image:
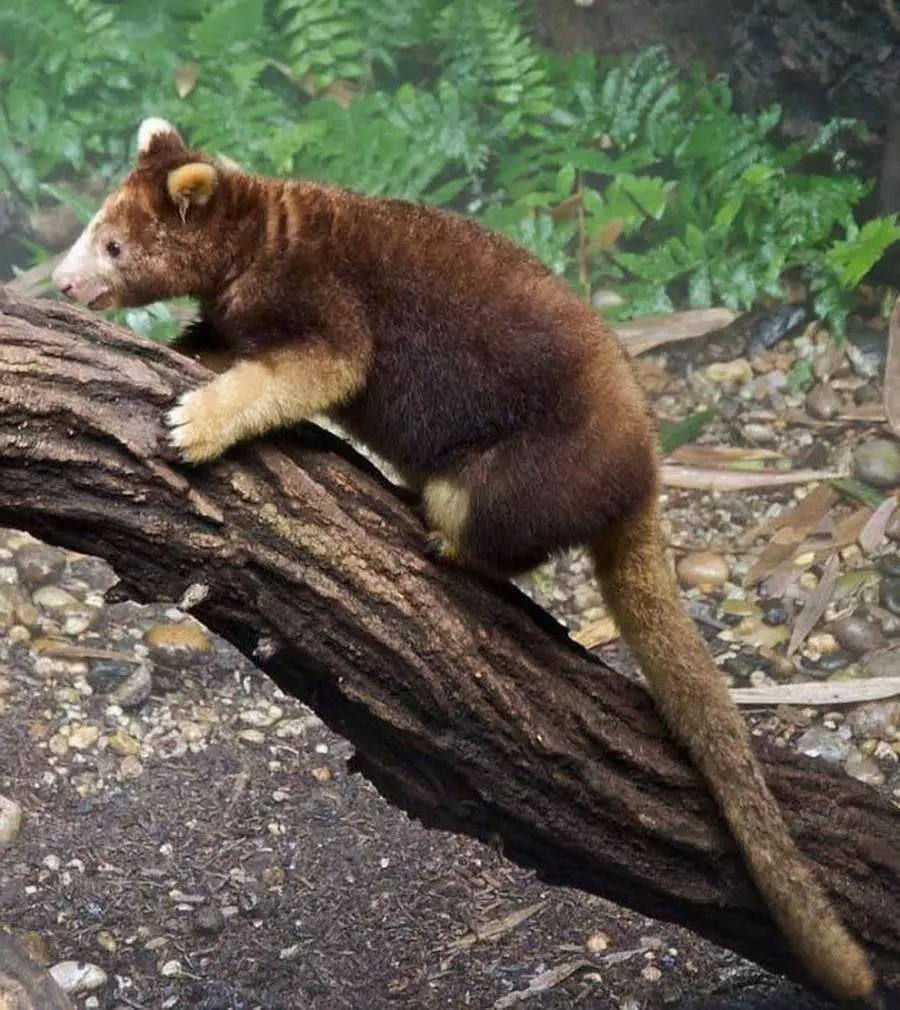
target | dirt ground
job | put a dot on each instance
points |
(249, 870)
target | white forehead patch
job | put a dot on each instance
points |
(153, 127)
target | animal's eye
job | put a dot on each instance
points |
(113, 248)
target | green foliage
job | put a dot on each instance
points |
(618, 174)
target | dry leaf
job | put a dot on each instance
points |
(640, 335)
(873, 532)
(541, 983)
(186, 79)
(709, 479)
(568, 209)
(803, 517)
(496, 927)
(715, 455)
(892, 372)
(815, 605)
(819, 693)
(608, 235)
(599, 632)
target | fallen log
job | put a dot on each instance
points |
(468, 707)
(24, 984)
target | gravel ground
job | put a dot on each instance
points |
(189, 837)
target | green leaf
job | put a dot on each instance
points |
(674, 434)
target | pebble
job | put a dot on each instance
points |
(830, 662)
(883, 664)
(10, 820)
(105, 675)
(823, 403)
(83, 737)
(38, 564)
(858, 634)
(135, 689)
(262, 718)
(53, 598)
(596, 943)
(879, 720)
(702, 568)
(176, 638)
(124, 744)
(209, 920)
(131, 767)
(759, 434)
(866, 349)
(877, 462)
(890, 595)
(821, 742)
(864, 768)
(76, 977)
(724, 372)
(251, 736)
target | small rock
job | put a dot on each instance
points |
(83, 737)
(209, 920)
(53, 598)
(251, 736)
(878, 720)
(124, 744)
(865, 394)
(877, 462)
(859, 635)
(131, 767)
(39, 564)
(703, 568)
(864, 768)
(176, 638)
(890, 595)
(738, 370)
(105, 675)
(829, 662)
(821, 742)
(170, 969)
(261, 718)
(135, 689)
(775, 612)
(596, 943)
(10, 820)
(883, 664)
(759, 434)
(78, 976)
(58, 744)
(866, 349)
(823, 402)
(294, 728)
(651, 973)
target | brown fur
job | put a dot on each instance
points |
(461, 359)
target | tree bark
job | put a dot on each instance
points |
(468, 706)
(24, 984)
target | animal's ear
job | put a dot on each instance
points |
(191, 185)
(158, 136)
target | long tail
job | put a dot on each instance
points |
(694, 702)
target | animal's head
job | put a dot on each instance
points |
(155, 236)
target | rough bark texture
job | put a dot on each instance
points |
(469, 707)
(24, 984)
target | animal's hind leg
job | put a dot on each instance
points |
(446, 502)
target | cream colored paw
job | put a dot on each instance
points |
(196, 429)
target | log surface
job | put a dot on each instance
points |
(468, 707)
